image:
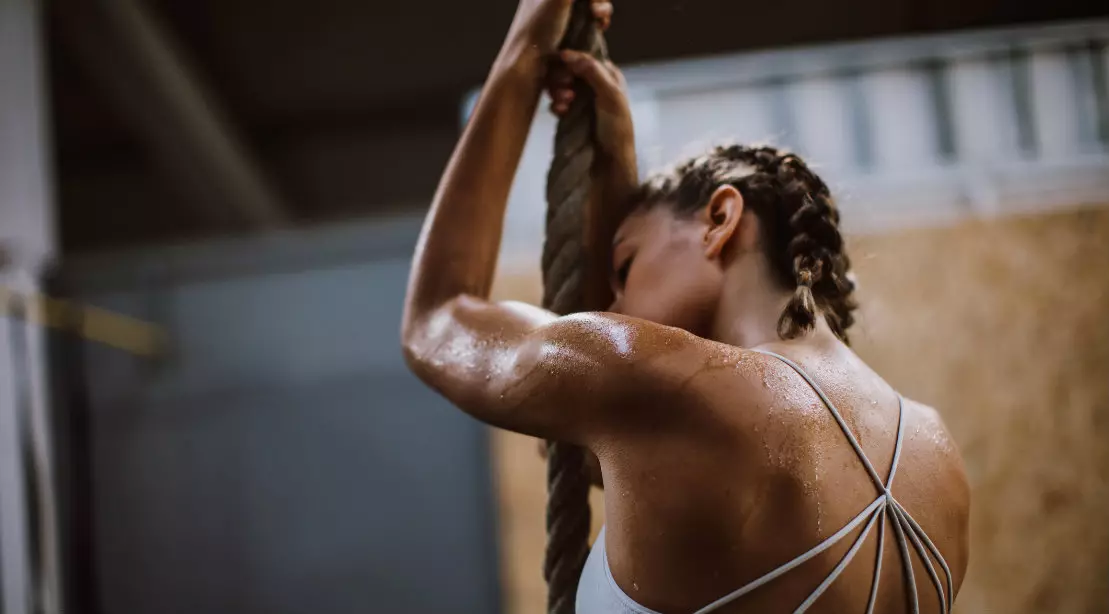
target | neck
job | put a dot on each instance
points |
(751, 305)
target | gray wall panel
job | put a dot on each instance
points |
(282, 459)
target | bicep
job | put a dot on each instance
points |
(522, 368)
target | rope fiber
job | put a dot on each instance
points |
(568, 192)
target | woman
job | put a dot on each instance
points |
(748, 455)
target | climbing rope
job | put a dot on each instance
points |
(568, 192)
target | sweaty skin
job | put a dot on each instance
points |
(719, 463)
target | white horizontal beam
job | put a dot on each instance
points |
(913, 131)
(752, 68)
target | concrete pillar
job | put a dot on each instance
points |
(29, 567)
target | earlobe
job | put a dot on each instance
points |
(724, 210)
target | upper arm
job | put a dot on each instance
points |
(524, 369)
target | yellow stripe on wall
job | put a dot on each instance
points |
(92, 323)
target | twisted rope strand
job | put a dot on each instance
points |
(568, 191)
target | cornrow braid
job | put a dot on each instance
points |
(800, 225)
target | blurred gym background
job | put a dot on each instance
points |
(247, 178)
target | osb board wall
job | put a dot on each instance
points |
(1003, 326)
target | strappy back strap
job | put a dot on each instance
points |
(906, 530)
(883, 486)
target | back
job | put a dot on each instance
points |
(766, 474)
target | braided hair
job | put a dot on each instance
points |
(800, 225)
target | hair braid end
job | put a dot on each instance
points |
(799, 316)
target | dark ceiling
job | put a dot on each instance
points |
(352, 106)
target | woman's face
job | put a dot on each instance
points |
(663, 271)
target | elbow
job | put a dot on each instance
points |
(412, 351)
(410, 346)
(418, 361)
(422, 332)
(416, 332)
(418, 347)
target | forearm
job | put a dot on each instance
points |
(458, 247)
(615, 181)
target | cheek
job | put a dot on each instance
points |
(674, 287)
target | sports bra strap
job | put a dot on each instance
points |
(883, 487)
(905, 529)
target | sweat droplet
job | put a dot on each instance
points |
(635, 586)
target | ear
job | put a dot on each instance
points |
(723, 212)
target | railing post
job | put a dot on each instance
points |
(29, 551)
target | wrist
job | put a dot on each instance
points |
(519, 62)
(621, 168)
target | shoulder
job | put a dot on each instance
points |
(602, 345)
(927, 426)
(951, 486)
(610, 335)
(928, 422)
(632, 357)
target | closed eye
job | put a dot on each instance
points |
(622, 273)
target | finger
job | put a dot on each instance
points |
(617, 74)
(587, 68)
(602, 11)
(563, 94)
(559, 76)
(559, 108)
